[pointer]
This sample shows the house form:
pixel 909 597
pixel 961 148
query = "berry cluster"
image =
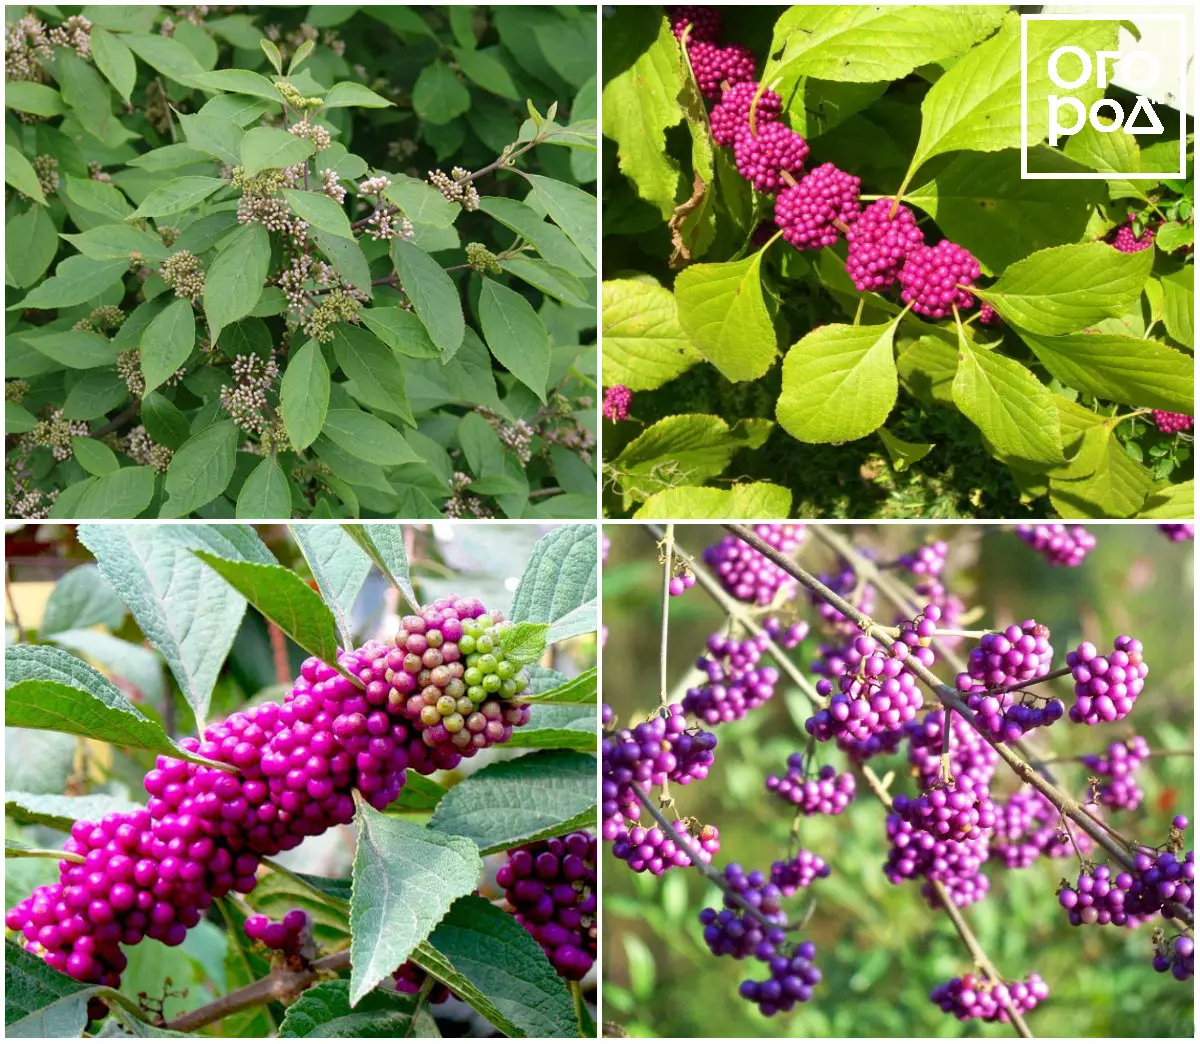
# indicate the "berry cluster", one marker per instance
pixel 1177 532
pixel 975 997
pixel 291 936
pixel 846 584
pixel 750 576
pixel 733 932
pixel 1170 423
pixel 411 978
pixel 1120 765
pixel 1125 241
pixel 294 767
pixel 961 810
pixel 933 279
pixel 828 794
pixel 1028 826
pixel 1106 687
pixel 1177 957
pixel 879 242
pixel 731 115
pixel 798 872
pixel 1015 655
pixel 1060 545
pixel 807 211
pixel 617 401
pixel 785 636
pixel 971 756
pixel 551 886
pixel 654 851
pixel 916 854
pixel 736 683
pixel 927 560
pixel 684 581
pixel 655 752
pixel 792 979
pixel 876 693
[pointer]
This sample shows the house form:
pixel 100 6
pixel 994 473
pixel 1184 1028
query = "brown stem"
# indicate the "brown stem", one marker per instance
pixel 668 553
pixel 119 421
pixel 283 672
pixel 281 984
pixel 12 605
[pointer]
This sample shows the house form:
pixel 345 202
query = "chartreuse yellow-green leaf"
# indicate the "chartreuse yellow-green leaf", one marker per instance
pixel 752 500
pixel 839 383
pixel 722 311
pixel 644 345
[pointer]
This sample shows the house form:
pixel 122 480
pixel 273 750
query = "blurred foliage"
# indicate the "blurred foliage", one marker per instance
pixel 880 948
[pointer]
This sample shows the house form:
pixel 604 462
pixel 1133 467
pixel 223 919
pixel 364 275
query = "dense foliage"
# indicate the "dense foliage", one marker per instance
pixel 291 835
pixel 273 264
pixel 1044 807
pixel 841 186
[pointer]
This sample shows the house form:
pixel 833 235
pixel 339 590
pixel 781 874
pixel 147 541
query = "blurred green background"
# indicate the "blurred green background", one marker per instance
pixel 880 948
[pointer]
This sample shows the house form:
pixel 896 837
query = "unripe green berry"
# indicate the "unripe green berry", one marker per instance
pixel 446 705
pixel 509 688
pixel 492 683
pixel 487 663
pixel 505 669
pixel 484 643
pixel 476 694
pixel 466 644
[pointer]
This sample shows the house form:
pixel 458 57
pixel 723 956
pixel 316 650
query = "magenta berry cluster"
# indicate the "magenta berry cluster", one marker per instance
pixel 974 996
pixel 1177 957
pixel 807 211
pixel 410 979
pixel 663 749
pixel 684 581
pixel 1125 241
pixel 736 681
pixel 1106 687
pixel 960 810
pixel 828 793
pixel 1117 768
pixel 792 981
pixel 926 560
pixel 1029 827
pixel 1171 423
pixel 769 156
pixel 1061 545
pixel 749 575
pixel 844 583
pixel 706 23
pixel 971 756
pixel 290 936
pixel 617 401
pixel 915 854
pixel 988 316
pixel 1015 655
pixel 551 886
pixel 786 636
pixel 875 694
pixel 790 875
pixel 934 279
pixel 654 852
pixel 878 244
pixel 1178 532
pixel 731 114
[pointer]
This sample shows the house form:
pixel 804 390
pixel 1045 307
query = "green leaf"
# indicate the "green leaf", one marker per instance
pixel 1124 369
pixel 525 643
pixel 320 211
pixel 39 1001
pixel 94 457
pixel 272 53
pixel 201 469
pixel 578 691
pixel 14 849
pixel 177 195
pixel 75 349
pixel 752 500
pixel 324 1011
pixel 234 283
pixel 17 419
pixel 118 243
pixel 1178 501
pixel 368 438
pixel 114 60
pixel 268 148
pixel 558 586
pixel 184 609
pixel 168 56
pixel 374 368
pixel 530 798
pixel 62 812
pixel 644 344
pixel 422 203
pixel 265 493
pixel 976 104
pixel 347 258
pixel 903 454
pixel 549 242
pixel 487 71
pixel 722 311
pixel 839 383
pixel 550 279
pixel 85 93
pixel 30 244
pixel 515 335
pixel 167 342
pixel 103 200
pixel 499 970
pixel 19 173
pixel 401 331
pixel 1178 294
pixel 282 597
pixel 214 136
pixel 340 568
pixel 405 878
pixel 304 395
pixel 46 688
pixel 1172 236
pixel 37 98
pixel 439 96
pixel 1013 409
pixel 433 295
pixel 1065 288
pixel 354 95
pixel 1115 487
pixel 237 81
pixel 164 422
pixel 684 449
pixel 75 281
pixel 572 209
pixel 558 728
pixel 384 545
pixel 82 599
pixel 139 666
pixel 865 44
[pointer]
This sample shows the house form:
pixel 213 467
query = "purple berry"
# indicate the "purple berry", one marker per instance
pixel 933 279
pixel 879 243
pixel 806 211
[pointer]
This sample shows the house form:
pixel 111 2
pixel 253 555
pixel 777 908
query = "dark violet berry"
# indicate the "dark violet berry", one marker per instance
pixel 933 279
pixel 879 243
pixel 551 886
pixel 798 872
pixel 617 401
pixel 988 316
pixel 1177 532
pixel 292 936
pixel 732 932
pixel 764 158
pixel 806 211
pixel 1028 826
pixel 1106 687
pixel 786 637
pixel 876 692
pixel 736 683
pixel 732 113
pixel 976 997
pixel 792 981
pixel 750 576
pixel 1170 423
pixel 827 793
pixel 1061 546
pixel 410 978
pixel 927 560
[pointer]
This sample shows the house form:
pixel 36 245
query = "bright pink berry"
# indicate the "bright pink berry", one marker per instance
pixel 879 242
pixel 806 211
pixel 617 401
pixel 988 316
pixel 732 113
pixel 706 22
pixel 1170 423
pixel 1126 242
pixel 934 278
pixel 764 158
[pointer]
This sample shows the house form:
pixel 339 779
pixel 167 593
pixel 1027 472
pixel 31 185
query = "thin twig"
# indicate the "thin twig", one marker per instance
pixel 668 554
pixel 12 605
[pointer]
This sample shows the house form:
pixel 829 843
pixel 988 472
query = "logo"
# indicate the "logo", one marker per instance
pixel 1150 73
